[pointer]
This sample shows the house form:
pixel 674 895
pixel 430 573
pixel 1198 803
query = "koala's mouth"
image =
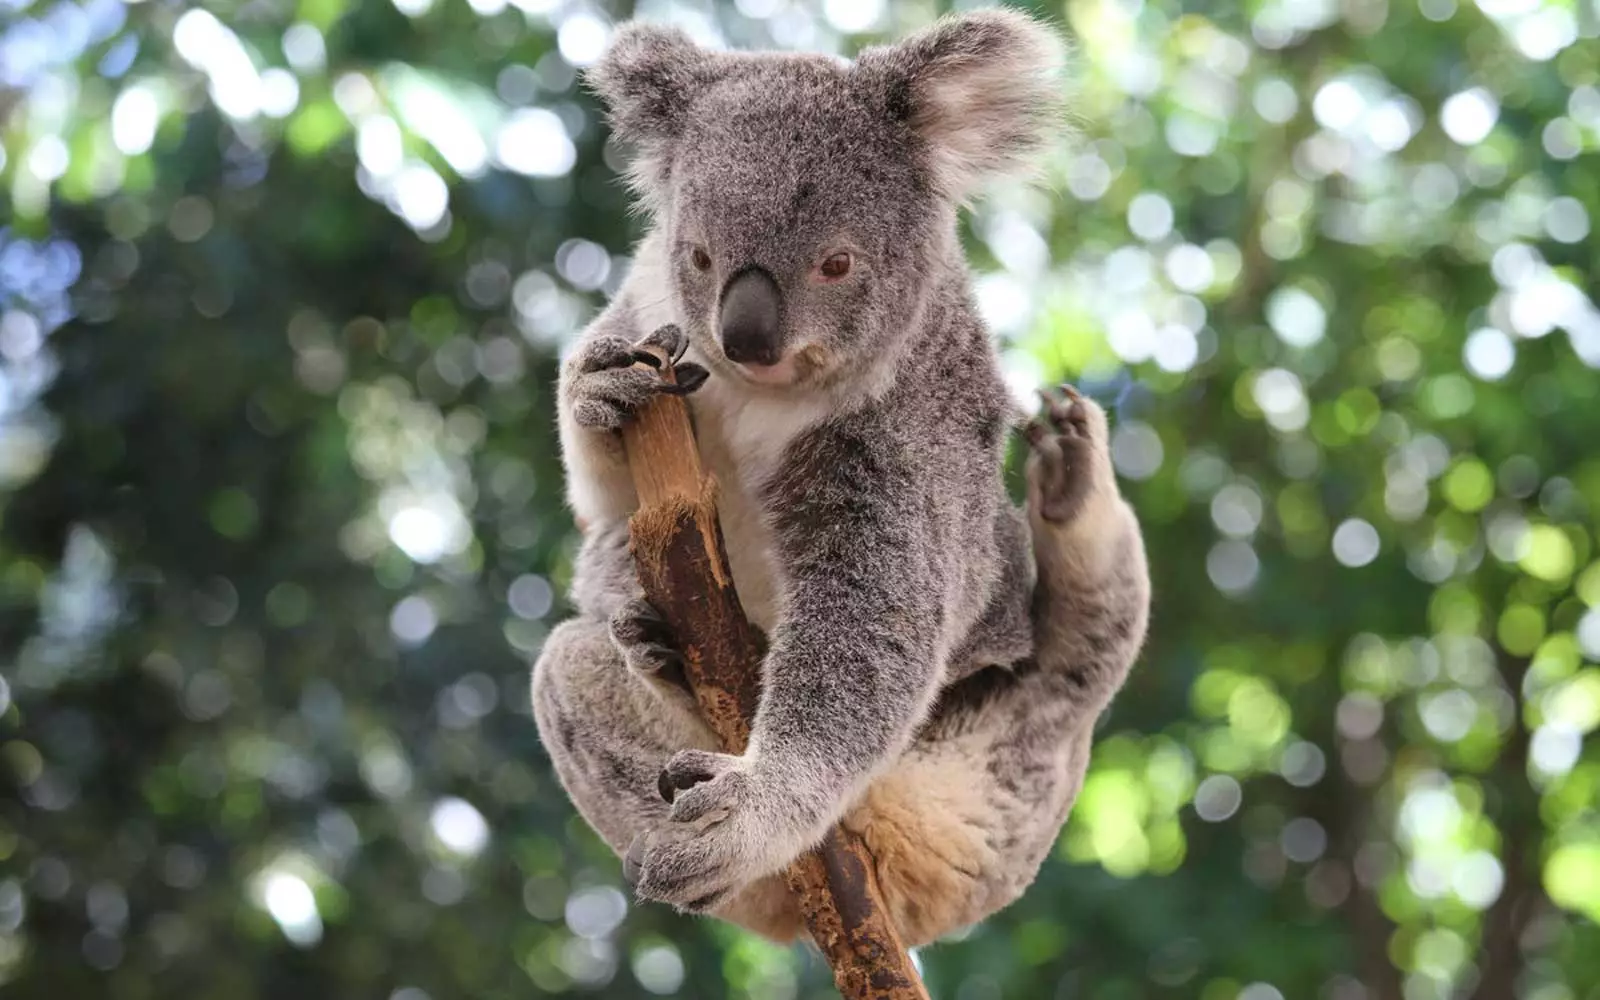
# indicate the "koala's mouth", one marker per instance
pixel 796 368
pixel 784 372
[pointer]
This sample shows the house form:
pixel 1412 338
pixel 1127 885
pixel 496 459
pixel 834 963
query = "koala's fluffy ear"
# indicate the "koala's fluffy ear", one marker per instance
pixel 984 90
pixel 646 80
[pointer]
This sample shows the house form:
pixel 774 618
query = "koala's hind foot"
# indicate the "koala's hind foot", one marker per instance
pixel 1092 597
pixel 1070 455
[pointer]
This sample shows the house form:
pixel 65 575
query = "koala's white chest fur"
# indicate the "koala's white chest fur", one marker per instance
pixel 742 437
pixel 742 432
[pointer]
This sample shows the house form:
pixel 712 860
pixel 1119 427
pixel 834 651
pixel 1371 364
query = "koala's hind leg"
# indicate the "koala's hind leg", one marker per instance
pixel 1092 598
pixel 959 826
pixel 609 726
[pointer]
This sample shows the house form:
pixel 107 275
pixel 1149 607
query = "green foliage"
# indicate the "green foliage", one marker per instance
pixel 281 528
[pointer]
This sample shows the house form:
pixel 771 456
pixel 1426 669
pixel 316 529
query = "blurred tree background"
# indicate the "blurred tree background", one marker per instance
pixel 282 288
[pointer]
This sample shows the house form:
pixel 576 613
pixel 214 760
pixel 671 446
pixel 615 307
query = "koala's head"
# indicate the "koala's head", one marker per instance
pixel 806 202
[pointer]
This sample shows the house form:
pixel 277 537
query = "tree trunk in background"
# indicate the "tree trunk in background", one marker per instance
pixel 1521 894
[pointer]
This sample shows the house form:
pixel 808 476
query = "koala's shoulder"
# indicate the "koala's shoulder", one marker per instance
pixel 953 382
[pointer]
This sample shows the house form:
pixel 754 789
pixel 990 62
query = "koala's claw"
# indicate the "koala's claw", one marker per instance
pixel 688 769
pixel 670 338
pixel 608 387
pixel 1068 441
pixel 690 377
pixel 645 640
pixel 1068 413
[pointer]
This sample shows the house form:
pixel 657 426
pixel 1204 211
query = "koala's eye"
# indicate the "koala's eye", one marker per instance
pixel 836 267
pixel 700 259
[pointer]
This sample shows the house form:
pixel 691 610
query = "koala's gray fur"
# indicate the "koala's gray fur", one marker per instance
pixel 937 658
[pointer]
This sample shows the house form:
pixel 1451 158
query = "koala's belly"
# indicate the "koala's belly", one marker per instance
pixel 750 554
pixel 749 541
pixel 743 435
pixel 950 844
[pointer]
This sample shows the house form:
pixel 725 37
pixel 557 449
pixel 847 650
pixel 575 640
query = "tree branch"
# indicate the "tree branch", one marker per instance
pixel 682 564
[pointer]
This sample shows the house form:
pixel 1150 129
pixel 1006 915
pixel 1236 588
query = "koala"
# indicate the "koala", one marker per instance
pixel 937 657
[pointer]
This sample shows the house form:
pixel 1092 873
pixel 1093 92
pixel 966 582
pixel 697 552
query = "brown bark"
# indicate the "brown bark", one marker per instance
pixel 682 564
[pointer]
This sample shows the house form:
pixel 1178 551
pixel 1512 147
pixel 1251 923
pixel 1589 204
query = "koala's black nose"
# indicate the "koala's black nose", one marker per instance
pixel 752 328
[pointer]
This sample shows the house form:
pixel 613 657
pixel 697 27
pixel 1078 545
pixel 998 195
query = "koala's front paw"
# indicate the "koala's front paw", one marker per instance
pixel 1070 457
pixel 725 830
pixel 646 641
pixel 606 387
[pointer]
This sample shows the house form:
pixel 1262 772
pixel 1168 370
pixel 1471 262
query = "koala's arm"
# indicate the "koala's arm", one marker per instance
pixel 855 658
pixel 599 488
pixel 599 388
